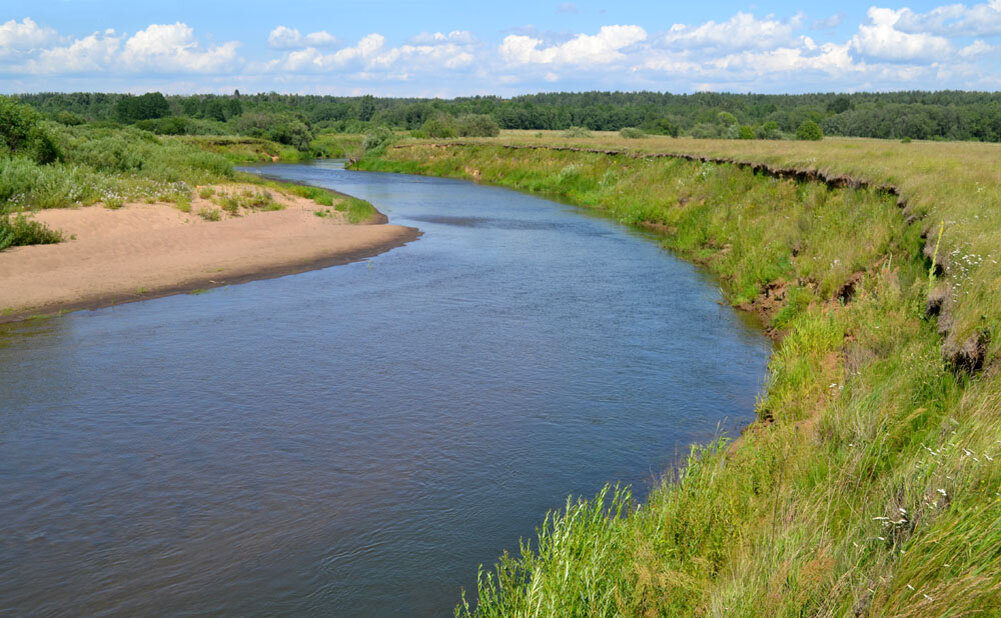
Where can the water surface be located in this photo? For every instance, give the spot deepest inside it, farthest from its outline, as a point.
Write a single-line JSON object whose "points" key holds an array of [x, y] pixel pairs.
{"points": [[354, 441]]}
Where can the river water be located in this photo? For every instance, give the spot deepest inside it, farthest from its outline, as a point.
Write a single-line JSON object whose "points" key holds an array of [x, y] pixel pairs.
{"points": [[354, 441]]}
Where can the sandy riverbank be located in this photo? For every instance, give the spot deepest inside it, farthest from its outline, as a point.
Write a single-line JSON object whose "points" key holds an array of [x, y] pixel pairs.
{"points": [[147, 250]]}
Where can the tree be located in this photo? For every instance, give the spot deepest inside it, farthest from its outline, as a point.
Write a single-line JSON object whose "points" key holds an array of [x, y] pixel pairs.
{"points": [[746, 132], [809, 130], [130, 109], [22, 132]]}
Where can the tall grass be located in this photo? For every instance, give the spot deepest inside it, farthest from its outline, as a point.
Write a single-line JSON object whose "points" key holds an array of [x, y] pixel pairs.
{"points": [[870, 484], [18, 230]]}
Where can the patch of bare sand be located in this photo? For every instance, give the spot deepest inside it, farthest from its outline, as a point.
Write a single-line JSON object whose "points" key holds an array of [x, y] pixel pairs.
{"points": [[147, 250]]}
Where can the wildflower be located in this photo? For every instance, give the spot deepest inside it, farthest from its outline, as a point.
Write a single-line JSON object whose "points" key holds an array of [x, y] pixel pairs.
{"points": [[941, 491]]}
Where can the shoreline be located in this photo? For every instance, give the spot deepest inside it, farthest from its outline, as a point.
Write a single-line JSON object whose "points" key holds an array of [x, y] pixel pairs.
{"points": [[146, 251]]}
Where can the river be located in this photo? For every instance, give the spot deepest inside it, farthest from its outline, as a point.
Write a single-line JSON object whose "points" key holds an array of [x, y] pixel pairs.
{"points": [[354, 441]]}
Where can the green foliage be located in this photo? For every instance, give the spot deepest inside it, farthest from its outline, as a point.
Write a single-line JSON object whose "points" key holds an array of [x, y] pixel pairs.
{"points": [[809, 130], [19, 230], [377, 141], [746, 132], [770, 130], [22, 133], [441, 126], [632, 133], [577, 132], [477, 125], [130, 109], [726, 119]]}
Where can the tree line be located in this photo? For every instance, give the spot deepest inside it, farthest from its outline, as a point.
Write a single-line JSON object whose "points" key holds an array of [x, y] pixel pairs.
{"points": [[944, 115]]}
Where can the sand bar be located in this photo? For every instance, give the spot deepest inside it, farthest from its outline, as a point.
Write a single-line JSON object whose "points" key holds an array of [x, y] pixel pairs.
{"points": [[143, 251]]}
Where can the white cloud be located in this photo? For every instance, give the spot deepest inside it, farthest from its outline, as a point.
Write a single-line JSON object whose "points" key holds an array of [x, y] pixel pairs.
{"points": [[159, 49], [954, 20], [602, 48], [881, 39], [977, 48], [370, 59], [91, 53], [24, 36], [290, 38], [169, 48], [742, 31]]}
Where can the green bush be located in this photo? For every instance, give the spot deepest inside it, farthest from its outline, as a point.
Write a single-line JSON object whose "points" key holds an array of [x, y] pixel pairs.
{"points": [[23, 132], [19, 230], [770, 130], [441, 126], [809, 130], [746, 132], [577, 132], [376, 141], [632, 133], [726, 119], [477, 125]]}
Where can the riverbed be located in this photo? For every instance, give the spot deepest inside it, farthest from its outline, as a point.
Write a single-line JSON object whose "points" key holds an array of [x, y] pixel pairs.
{"points": [[355, 440]]}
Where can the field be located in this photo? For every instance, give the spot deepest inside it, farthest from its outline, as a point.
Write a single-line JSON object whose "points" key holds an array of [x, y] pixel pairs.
{"points": [[870, 483]]}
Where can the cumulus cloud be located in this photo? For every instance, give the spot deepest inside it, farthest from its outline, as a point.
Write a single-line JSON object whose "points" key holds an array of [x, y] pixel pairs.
{"points": [[881, 39], [583, 49], [159, 49], [24, 36], [954, 20], [742, 31], [290, 38], [370, 57]]}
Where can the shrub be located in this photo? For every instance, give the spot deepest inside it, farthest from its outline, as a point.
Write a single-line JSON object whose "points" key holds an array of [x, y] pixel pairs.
{"points": [[376, 141], [809, 130], [22, 132], [726, 119], [632, 133], [18, 230], [577, 132], [440, 126], [477, 125], [746, 132], [770, 130]]}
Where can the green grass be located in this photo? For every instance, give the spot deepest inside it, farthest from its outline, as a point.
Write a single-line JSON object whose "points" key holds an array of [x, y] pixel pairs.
{"points": [[870, 484]]}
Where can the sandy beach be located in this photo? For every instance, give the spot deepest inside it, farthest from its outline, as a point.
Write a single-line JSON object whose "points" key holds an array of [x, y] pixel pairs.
{"points": [[142, 251]]}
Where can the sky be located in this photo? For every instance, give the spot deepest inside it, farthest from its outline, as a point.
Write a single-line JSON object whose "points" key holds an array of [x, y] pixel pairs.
{"points": [[460, 48]]}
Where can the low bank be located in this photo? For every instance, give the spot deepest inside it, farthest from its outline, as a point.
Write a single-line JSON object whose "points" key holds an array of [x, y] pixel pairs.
{"points": [[868, 485], [141, 251]]}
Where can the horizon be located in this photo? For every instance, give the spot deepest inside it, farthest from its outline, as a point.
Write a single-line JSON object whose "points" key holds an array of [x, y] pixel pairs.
{"points": [[399, 49]]}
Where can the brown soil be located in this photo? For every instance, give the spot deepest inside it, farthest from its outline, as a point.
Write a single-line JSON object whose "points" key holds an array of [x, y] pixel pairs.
{"points": [[146, 250]]}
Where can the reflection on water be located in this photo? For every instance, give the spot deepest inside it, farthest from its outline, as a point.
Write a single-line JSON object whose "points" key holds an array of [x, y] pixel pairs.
{"points": [[355, 440]]}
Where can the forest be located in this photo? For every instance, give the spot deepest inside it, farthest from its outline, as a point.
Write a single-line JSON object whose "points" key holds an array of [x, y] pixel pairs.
{"points": [[295, 119]]}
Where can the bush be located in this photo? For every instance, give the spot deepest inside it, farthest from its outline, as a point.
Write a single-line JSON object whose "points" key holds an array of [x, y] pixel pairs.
{"points": [[440, 126], [770, 130], [477, 125], [577, 132], [22, 132], [726, 119], [174, 125], [809, 130], [746, 132], [665, 126], [632, 133], [376, 141], [18, 230]]}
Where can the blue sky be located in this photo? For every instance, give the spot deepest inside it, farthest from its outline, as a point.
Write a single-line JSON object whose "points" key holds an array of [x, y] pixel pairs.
{"points": [[451, 48]]}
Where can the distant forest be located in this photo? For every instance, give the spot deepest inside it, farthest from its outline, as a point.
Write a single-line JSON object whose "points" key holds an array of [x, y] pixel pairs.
{"points": [[294, 119]]}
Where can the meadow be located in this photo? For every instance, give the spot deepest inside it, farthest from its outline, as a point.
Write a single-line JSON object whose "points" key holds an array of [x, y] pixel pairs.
{"points": [[869, 485]]}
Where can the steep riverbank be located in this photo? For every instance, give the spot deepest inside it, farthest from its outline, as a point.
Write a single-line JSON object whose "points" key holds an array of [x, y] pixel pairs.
{"points": [[868, 484]]}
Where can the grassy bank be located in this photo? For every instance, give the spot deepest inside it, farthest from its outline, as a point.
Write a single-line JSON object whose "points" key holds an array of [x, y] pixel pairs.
{"points": [[869, 485]]}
